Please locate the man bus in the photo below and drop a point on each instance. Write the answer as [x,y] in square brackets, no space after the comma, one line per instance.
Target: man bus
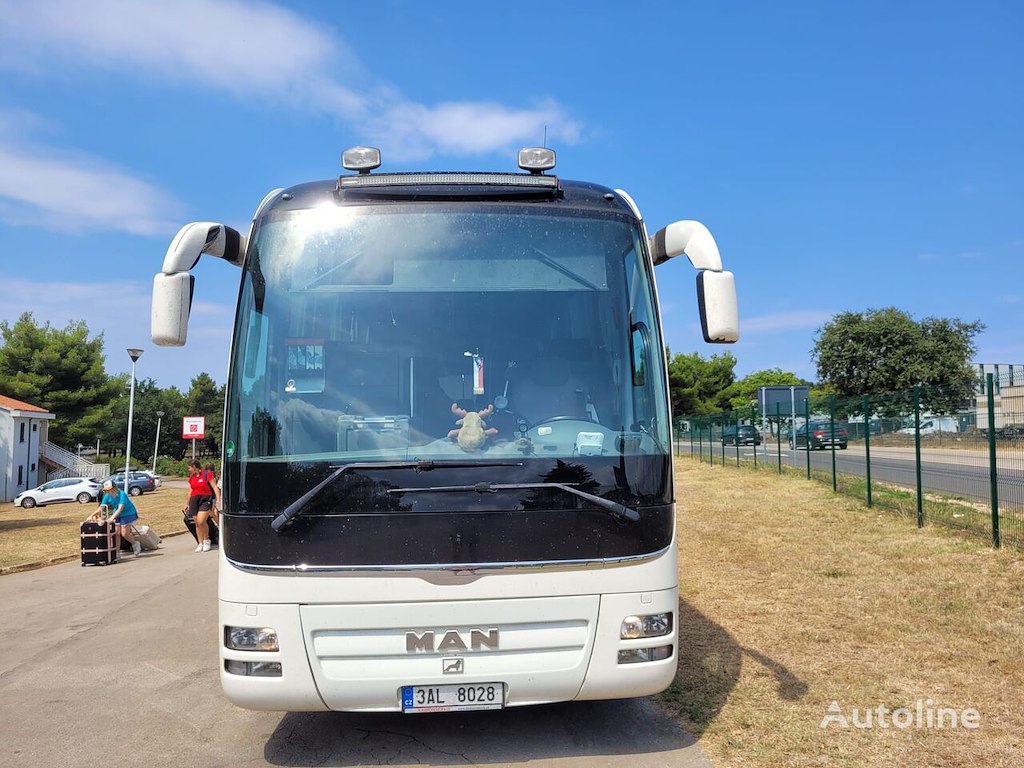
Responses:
[447,452]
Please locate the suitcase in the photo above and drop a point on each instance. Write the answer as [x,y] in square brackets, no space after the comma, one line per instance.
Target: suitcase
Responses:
[214,532]
[99,543]
[146,536]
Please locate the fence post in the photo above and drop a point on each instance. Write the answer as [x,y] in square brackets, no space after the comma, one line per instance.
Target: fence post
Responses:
[807,436]
[736,439]
[756,446]
[778,436]
[917,454]
[993,471]
[711,439]
[867,443]
[832,433]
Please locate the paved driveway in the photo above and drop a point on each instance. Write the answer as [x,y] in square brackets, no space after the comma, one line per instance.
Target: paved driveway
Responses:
[116,665]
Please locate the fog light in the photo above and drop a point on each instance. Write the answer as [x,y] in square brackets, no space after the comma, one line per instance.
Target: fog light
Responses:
[639,655]
[253,668]
[653,625]
[250,639]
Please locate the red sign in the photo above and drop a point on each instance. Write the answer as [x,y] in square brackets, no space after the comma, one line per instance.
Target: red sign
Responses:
[193,428]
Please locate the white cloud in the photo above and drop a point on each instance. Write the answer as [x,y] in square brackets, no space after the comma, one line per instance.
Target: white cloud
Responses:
[124,322]
[70,191]
[239,48]
[58,190]
[469,128]
[244,48]
[785,321]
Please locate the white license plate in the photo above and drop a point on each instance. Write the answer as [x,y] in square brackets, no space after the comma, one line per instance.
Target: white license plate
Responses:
[448,698]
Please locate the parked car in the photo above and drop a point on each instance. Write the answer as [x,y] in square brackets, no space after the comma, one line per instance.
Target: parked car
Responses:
[821,434]
[156,478]
[744,434]
[138,482]
[934,424]
[80,489]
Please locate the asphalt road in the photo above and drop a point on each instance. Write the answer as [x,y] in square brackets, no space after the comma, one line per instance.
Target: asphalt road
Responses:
[960,473]
[116,665]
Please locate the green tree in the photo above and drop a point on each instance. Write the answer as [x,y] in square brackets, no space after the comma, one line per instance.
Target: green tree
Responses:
[172,403]
[744,391]
[60,370]
[205,398]
[149,399]
[700,386]
[886,351]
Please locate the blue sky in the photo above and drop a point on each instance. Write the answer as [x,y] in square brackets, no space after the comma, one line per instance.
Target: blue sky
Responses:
[846,156]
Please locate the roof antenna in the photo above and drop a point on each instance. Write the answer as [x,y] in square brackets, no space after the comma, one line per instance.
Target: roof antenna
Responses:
[545,137]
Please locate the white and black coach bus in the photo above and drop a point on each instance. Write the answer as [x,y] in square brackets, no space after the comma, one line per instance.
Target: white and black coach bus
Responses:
[447,465]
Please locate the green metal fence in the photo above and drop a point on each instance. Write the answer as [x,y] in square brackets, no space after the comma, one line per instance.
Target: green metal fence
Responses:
[962,467]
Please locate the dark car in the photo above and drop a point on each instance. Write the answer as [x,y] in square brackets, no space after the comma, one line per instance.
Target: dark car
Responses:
[741,435]
[821,434]
[138,482]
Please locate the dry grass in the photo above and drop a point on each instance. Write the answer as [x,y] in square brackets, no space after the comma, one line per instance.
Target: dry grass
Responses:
[51,533]
[793,597]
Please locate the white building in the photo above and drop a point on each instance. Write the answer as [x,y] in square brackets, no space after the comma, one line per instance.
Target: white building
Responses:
[23,433]
[1007,395]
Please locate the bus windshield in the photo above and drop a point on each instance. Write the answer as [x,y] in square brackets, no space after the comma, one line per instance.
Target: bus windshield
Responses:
[403,332]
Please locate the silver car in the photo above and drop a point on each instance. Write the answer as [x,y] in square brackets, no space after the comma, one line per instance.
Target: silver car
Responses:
[80,489]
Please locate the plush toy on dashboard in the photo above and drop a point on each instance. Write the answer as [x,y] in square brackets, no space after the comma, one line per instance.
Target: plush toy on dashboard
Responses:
[472,432]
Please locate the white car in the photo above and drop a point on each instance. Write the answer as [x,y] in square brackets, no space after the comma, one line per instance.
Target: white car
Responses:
[80,489]
[932,424]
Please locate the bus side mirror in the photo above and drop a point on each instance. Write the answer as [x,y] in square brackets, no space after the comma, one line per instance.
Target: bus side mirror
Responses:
[716,288]
[719,310]
[173,286]
[172,300]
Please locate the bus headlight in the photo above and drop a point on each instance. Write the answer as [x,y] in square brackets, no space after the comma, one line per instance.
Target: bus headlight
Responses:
[250,639]
[651,625]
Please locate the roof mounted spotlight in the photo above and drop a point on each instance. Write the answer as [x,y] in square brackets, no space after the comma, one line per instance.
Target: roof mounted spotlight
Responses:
[536,159]
[362,159]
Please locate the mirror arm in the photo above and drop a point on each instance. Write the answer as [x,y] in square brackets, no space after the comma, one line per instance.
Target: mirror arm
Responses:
[686,237]
[197,238]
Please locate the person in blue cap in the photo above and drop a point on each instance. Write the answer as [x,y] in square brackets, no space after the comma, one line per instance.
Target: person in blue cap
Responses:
[122,513]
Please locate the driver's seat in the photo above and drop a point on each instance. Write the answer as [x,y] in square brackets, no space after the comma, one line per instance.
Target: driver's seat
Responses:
[548,387]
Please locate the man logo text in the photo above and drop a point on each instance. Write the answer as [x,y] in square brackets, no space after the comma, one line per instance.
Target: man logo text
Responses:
[452,640]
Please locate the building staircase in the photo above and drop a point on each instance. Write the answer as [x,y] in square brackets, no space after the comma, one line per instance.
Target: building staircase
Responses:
[60,462]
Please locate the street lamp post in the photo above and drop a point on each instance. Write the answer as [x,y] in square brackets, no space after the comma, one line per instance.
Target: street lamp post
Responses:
[156,445]
[134,354]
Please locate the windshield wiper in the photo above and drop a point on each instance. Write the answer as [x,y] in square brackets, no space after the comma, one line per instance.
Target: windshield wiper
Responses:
[613,508]
[544,258]
[295,509]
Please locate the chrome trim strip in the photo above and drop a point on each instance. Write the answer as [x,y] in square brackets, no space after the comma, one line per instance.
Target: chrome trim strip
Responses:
[405,179]
[473,568]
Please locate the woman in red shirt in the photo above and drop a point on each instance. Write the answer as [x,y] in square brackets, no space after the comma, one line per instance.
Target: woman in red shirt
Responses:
[203,499]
